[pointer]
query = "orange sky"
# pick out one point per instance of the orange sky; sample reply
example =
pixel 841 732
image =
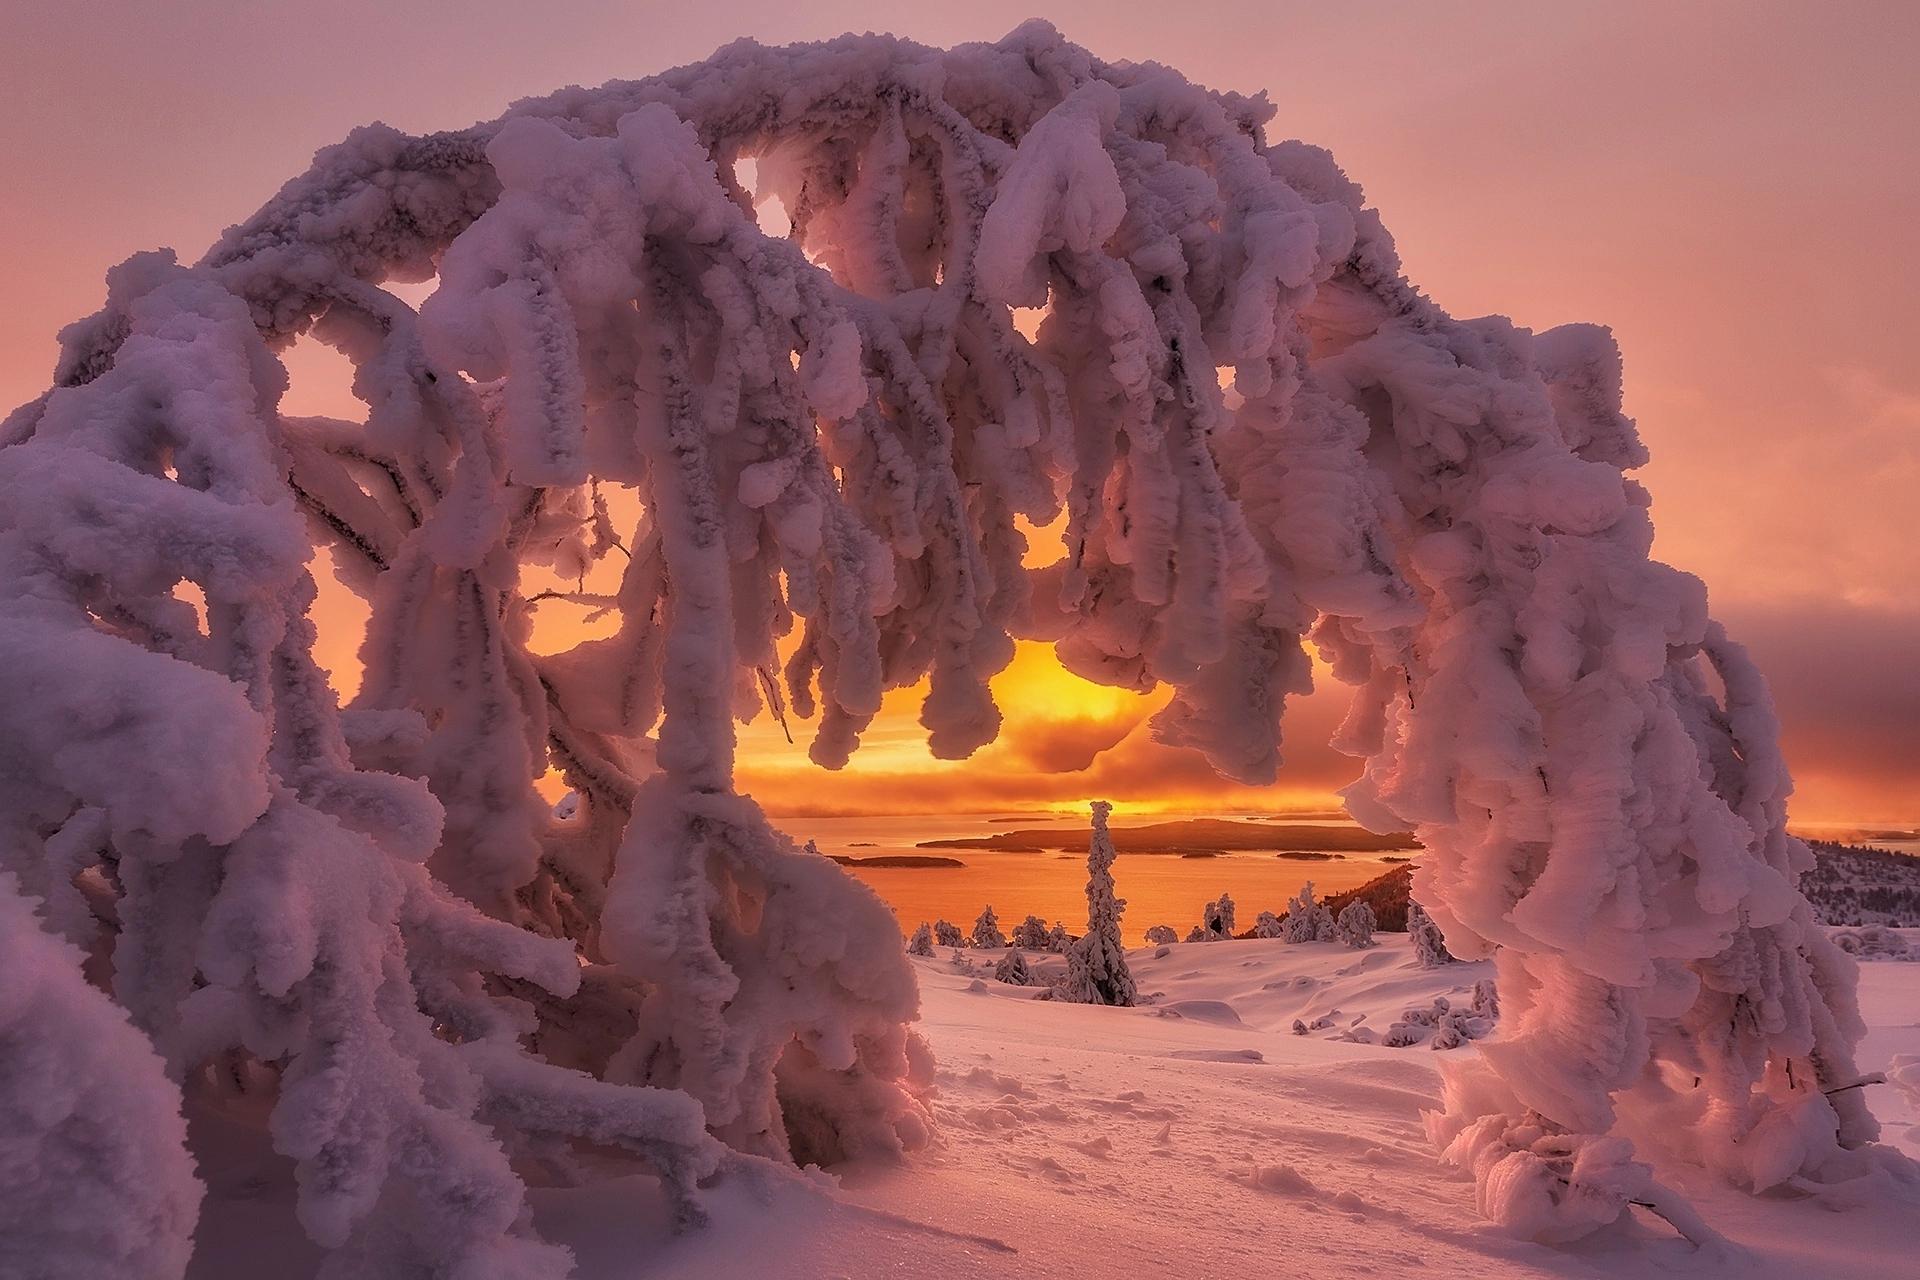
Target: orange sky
pixel 1733 188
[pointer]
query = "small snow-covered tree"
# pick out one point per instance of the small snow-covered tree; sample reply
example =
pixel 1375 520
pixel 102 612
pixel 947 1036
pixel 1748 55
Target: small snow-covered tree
pixel 1097 971
pixel 986 930
pixel 921 943
pixel 825 446
pixel 1013 969
pixel 1216 919
pixel 1268 925
pixel 948 934
pixel 1161 934
pixel 1031 933
pixel 1355 924
pixel 1307 919
pixel 1429 948
pixel 1057 939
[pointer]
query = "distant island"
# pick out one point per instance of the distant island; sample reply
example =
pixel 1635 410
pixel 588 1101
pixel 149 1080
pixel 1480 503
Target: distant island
pixel 1192 835
pixel 898 860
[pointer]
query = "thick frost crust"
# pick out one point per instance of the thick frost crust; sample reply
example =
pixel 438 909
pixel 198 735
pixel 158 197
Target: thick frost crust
pixel 831 437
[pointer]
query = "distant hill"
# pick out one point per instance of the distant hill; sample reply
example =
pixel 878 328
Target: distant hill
pixel 1386 894
pixel 1190 835
pixel 1849 885
pixel 1859 884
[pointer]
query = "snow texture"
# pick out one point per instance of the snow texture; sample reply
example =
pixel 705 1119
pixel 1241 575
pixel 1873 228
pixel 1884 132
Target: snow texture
pixel 95 1178
pixel 837 437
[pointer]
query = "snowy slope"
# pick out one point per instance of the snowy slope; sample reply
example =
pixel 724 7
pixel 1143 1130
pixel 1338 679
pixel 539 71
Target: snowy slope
pixel 1194 1136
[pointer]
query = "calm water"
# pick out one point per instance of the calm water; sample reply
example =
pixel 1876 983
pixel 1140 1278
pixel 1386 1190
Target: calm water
pixel 1159 888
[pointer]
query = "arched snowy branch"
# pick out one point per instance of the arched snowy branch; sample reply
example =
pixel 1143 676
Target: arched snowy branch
pixel 833 442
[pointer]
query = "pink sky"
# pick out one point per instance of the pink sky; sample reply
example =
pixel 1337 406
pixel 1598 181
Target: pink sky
pixel 1735 189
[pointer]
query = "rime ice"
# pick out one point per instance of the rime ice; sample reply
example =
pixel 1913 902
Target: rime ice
pixel 831 438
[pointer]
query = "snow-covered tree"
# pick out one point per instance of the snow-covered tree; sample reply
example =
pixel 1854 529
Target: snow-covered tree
pixel 1355 924
pixel 1307 918
pixel 948 934
pixel 1268 925
pixel 823 447
pixel 1013 969
pixel 986 930
pixel 1161 934
pixel 921 943
pixel 1216 920
pixel 1031 933
pixel 1429 948
pixel 1097 971
pixel 1057 938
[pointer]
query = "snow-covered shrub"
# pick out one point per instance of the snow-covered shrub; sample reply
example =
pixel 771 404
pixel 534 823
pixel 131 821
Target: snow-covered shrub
pixel 1013 969
pixel 921 943
pixel 1399 1035
pixel 1307 920
pixel 1268 925
pixel 1031 933
pixel 1197 934
pixel 841 433
pixel 1097 970
pixel 1873 942
pixel 986 930
pixel 1429 948
pixel 1355 924
pixel 1161 934
pixel 1057 939
pixel 947 934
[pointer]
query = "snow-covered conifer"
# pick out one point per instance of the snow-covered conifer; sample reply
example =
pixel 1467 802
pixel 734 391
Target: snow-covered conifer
pixel 1429 948
pixel 1013 969
pixel 986 930
pixel 1268 925
pixel 1097 970
pixel 1161 934
pixel 1031 933
pixel 1057 939
pixel 921 943
pixel 947 934
pixel 1307 919
pixel 1355 924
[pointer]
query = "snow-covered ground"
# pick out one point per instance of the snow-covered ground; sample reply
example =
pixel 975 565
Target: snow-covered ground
pixel 1194 1136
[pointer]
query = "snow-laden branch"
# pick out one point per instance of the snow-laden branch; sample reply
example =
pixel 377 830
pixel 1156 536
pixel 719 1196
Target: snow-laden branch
pixel 1016 282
